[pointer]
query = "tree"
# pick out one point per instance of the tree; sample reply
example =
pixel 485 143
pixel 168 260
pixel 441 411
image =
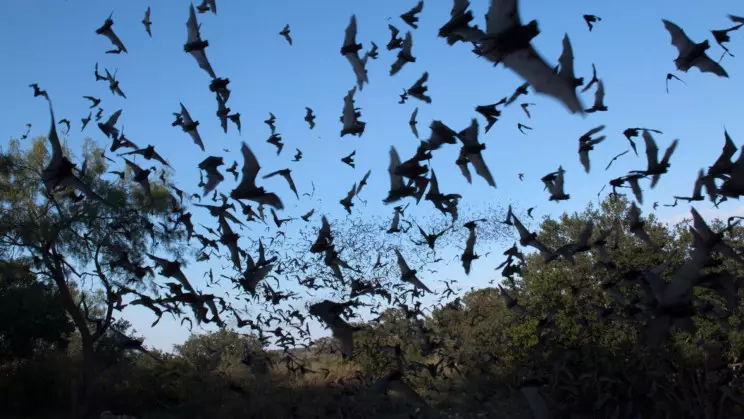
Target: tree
pixel 367 246
pixel 31 315
pixel 570 327
pixel 71 239
pixel 217 350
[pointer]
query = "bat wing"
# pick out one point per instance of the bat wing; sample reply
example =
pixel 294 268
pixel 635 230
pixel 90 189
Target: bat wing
pixel 594 130
pixel 402 265
pixel 420 82
pixel 114 118
pixel 192 27
pixel 119 92
pixel 197 138
pixel 637 191
pixel 584 158
pixel 558 184
pixel 433 184
pixel 405 50
pixel 669 151
pixel 481 169
pixel 412 122
pixel 111 35
pixel 535 71
pixel 201 59
pixel 501 15
pixel 359 69
pixel 418 8
pixel 418 284
pixel 393 31
pixel 397 65
pixel 270 199
pixel 465 171
pixel 470 244
pixel 652 151
pixel 272 174
pixel 396 181
pixel 599 94
pixel 729 149
pixel 679 38
pixel 57 153
pixel 351 32
pixel 292 186
pixel 459 7
pixel 523 233
pixel 75 183
pixel 250 166
pixel 353 191
pixel 349 115
pixel 213 179
pixel 186 116
pixel 708 65
pixel 566 61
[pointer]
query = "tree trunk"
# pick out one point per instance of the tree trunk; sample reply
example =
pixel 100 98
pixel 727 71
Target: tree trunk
pixel 90 370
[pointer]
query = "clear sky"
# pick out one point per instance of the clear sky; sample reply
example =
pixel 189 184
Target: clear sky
pixel 52 42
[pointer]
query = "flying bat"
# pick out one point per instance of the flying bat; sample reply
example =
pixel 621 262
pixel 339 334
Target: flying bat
pixel 195 45
pixel 107 30
pixel 692 54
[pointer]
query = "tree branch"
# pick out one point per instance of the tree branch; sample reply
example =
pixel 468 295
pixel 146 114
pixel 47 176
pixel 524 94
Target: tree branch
pixel 109 293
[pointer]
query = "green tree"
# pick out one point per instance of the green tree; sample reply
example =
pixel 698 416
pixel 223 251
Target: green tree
pixel 31 315
pixel 73 241
pixel 573 331
pixel 214 351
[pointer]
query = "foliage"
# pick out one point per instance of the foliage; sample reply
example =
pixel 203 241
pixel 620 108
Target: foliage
pixel 32 318
pixel 62 234
pixel 467 356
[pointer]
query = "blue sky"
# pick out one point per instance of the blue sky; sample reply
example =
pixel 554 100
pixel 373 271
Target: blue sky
pixel 53 43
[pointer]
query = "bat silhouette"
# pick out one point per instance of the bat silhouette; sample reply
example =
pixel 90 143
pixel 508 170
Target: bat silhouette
pixel 412 122
pixel 591 20
pixel 147 22
pixel 94 101
pixel 350 49
pixel 404 55
pixel 671 76
pixel 410 16
pixel 615 158
pixel 502 23
pixel 190 126
pixel 195 45
pixel 692 54
pixel 599 95
pixel 287 175
pixel 309 117
pixel 587 143
pixel 214 177
pixel 58 173
pixel 350 118
pixel 207 5
pixel 247 188
pixel 418 90
pixel 107 30
pixel 286 34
